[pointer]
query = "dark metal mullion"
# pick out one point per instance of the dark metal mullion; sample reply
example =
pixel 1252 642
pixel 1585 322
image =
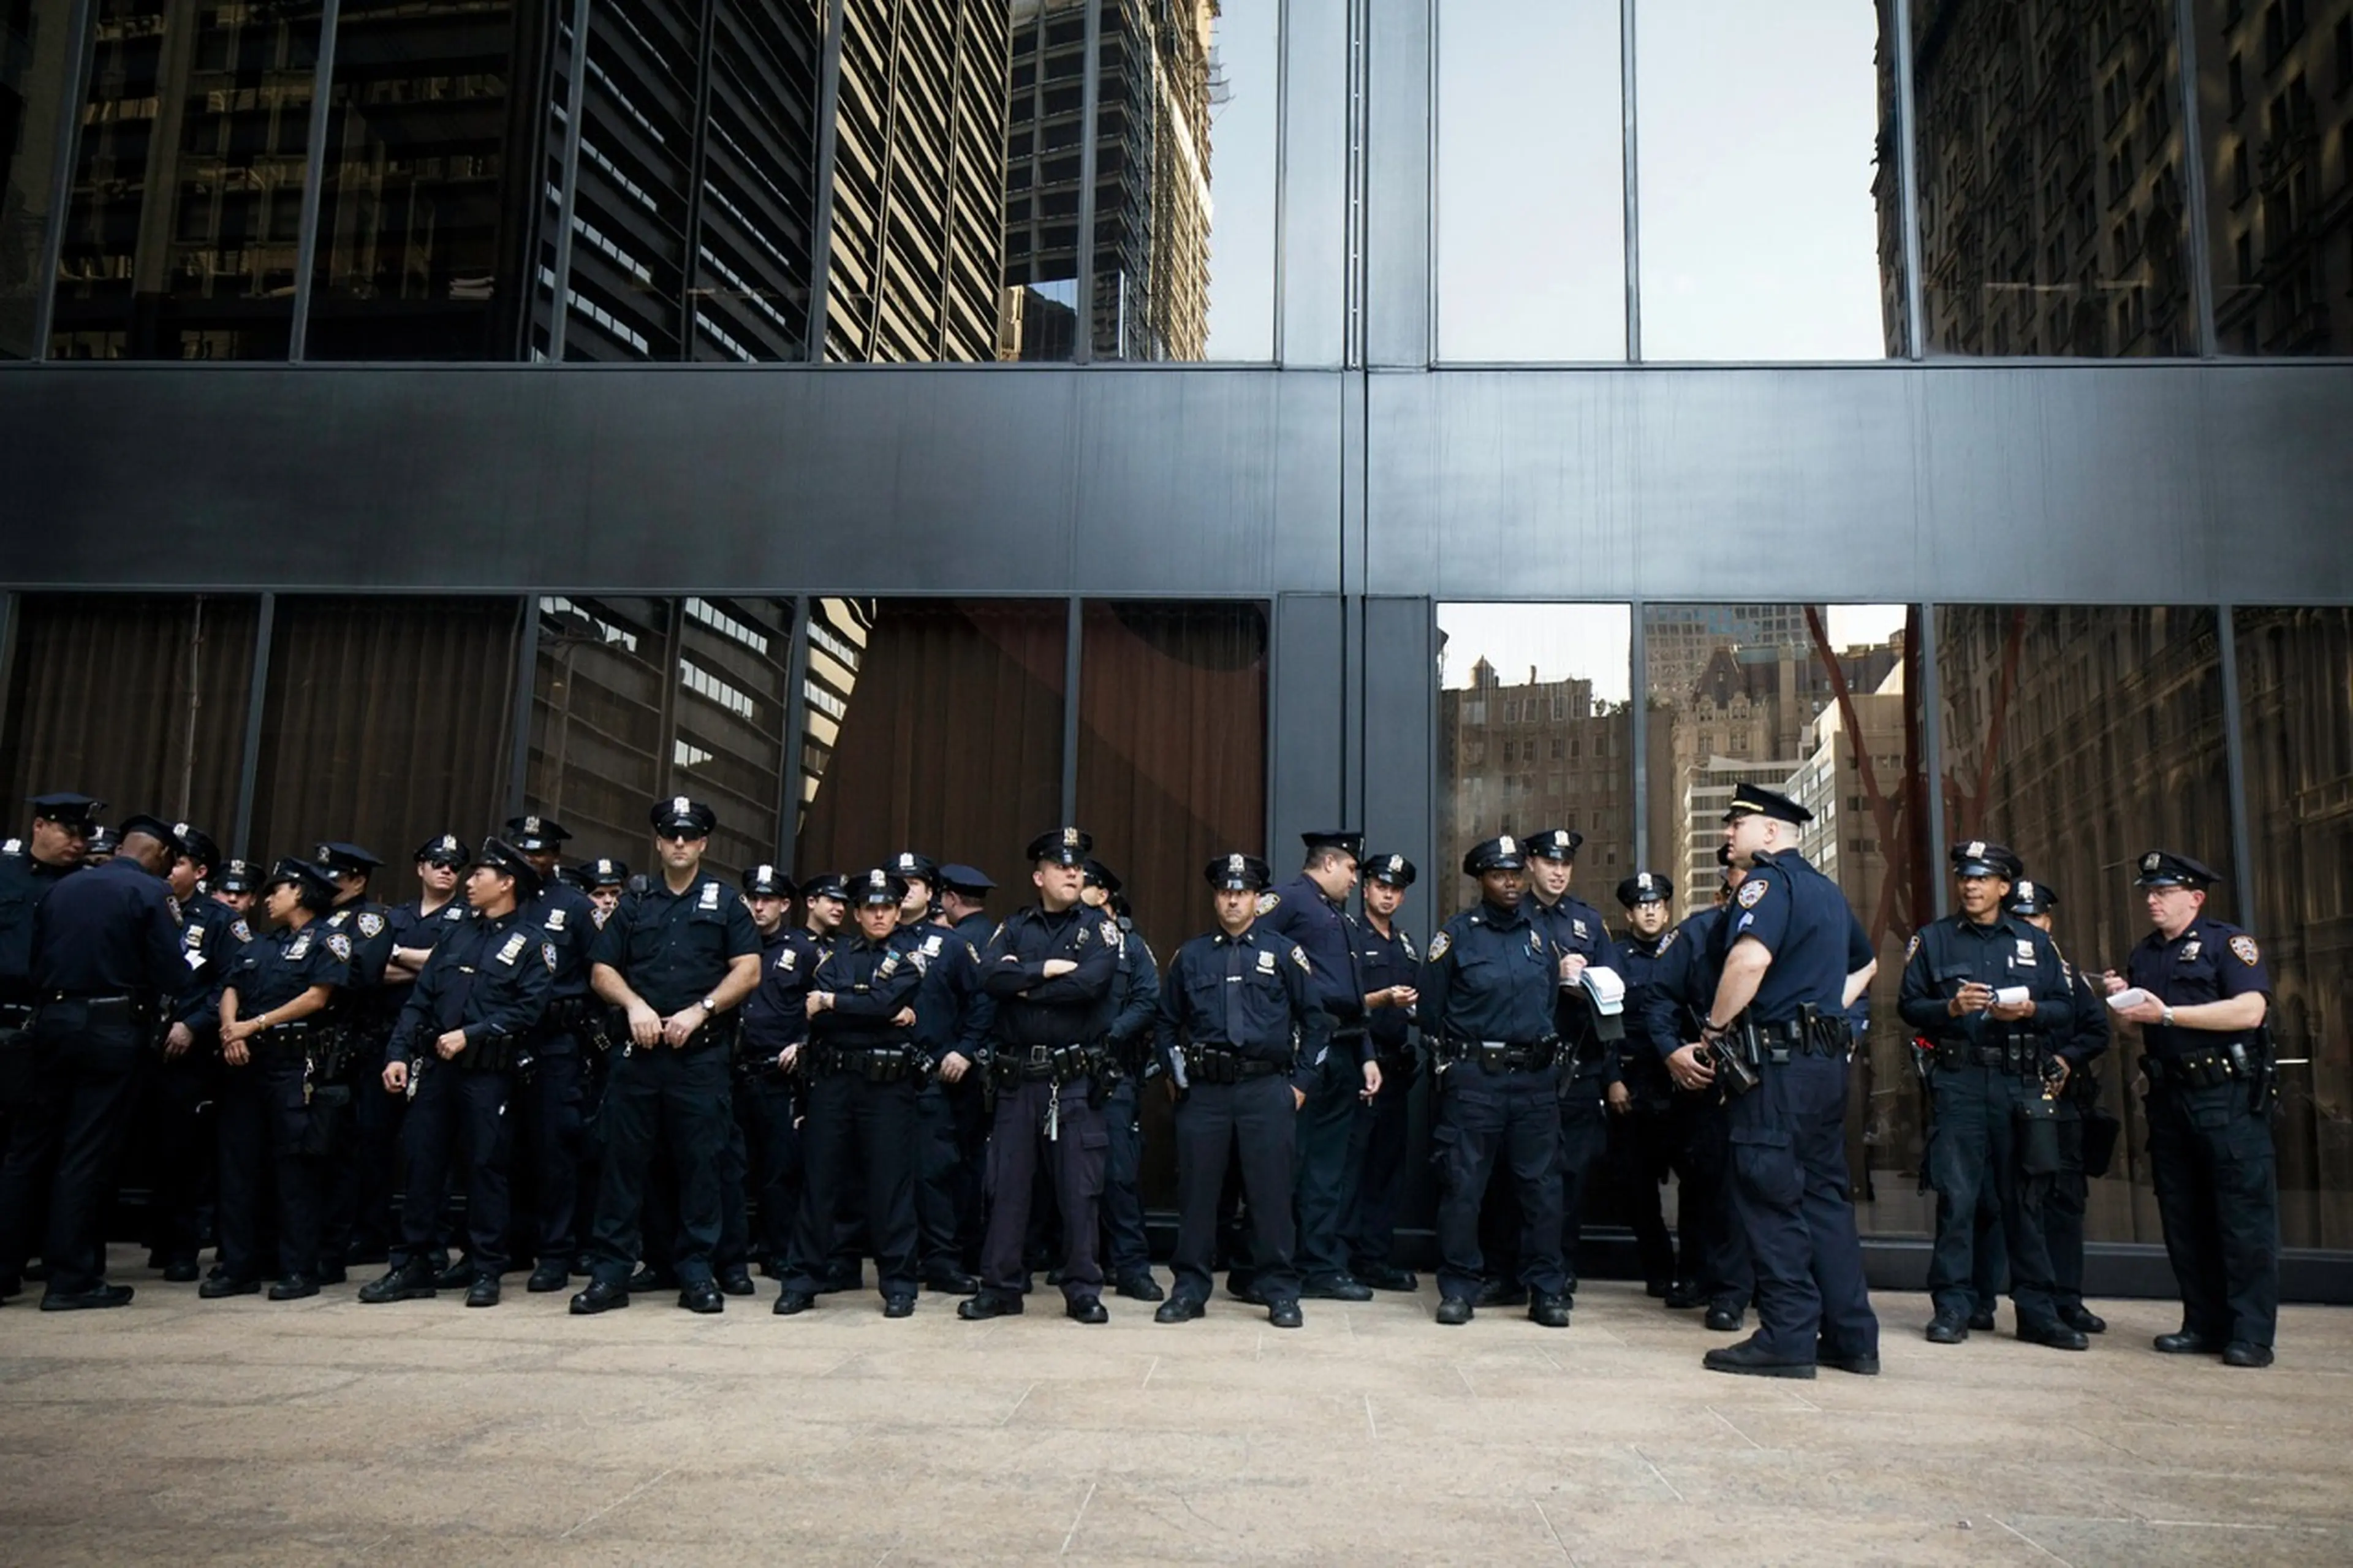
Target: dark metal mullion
pixel 1355 343
pixel 257 694
pixel 10 604
pixel 61 178
pixel 2242 854
pixel 1282 167
pixel 1907 156
pixel 1072 636
pixel 788 781
pixel 698 162
pixel 2198 240
pixel 828 140
pixel 574 113
pixel 1932 759
pixel 314 174
pixel 1630 146
pixel 1082 350
pixel 1638 736
pixel 526 685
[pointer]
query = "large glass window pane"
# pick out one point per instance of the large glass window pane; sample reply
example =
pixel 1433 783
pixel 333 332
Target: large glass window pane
pixel 756 221
pixel 428 178
pixel 385 722
pixel 2080 737
pixel 934 725
pixel 140 701
pixel 2052 205
pixel 2275 111
pixel 2295 686
pixel 183 236
pixel 1769 186
pixel 634 700
pixel 36 61
pixel 1531 244
pixel 1814 701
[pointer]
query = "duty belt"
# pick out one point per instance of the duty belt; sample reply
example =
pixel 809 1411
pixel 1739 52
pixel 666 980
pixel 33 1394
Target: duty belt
pixel 1214 1063
pixel 285 1040
pixel 2017 1054
pixel 102 1005
pixel 1036 1064
pixel 1823 1037
pixel 1504 1055
pixel 875 1064
pixel 566 1014
pixel 2198 1069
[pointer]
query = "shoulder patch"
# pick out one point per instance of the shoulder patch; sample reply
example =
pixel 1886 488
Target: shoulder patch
pixel 371 924
pixel 1752 892
pixel 599 916
pixel 1298 957
pixel 1269 902
pixel 547 955
pixel 1114 938
pixel 1438 945
pixel 339 945
pixel 1668 940
pixel 2243 949
pixel 1911 947
pixel 1405 941
pixel 240 930
pixel 973 951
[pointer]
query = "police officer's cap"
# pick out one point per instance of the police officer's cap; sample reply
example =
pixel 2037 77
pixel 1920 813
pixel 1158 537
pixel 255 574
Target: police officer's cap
pixel 67 808
pixel 826 885
pixel 603 871
pixel 195 844
pixel 970 880
pixel 306 876
pixel 880 886
pixel 1101 876
pixel 573 877
pixel 687 818
pixel 448 849
pixel 237 877
pixel 155 828
pixel 1394 870
pixel 345 859
pixel 103 840
pixel 1755 800
pixel 1347 840
pixel 1646 887
pixel 1239 873
pixel 535 833
pixel 766 881
pixel 509 861
pixel 1978 859
pixel 1063 846
pixel 1501 854
pixel 2162 869
pixel 916 868
pixel 1556 844
pixel 2030 899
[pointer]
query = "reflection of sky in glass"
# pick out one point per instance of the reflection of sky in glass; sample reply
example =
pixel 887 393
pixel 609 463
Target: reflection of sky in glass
pixel 1241 180
pixel 1593 641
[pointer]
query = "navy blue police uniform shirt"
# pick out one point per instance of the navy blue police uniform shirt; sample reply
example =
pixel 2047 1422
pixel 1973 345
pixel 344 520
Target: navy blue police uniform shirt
pixel 2209 961
pixel 210 934
pixel 1489 974
pixel 674 949
pixel 109 932
pixel 1255 993
pixel 489 977
pixel 1948 953
pixel 1575 927
pixel 1070 1009
pixel 278 966
pixel 24 882
pixel 775 1015
pixel 1383 962
pixel 569 920
pixel 411 928
pixel 936 1012
pixel 368 925
pixel 2086 1036
pixel 1682 983
pixel 1299 911
pixel 1803 920
pixel 870 982
pixel 1640 960
pixel 975 1008
pixel 1135 994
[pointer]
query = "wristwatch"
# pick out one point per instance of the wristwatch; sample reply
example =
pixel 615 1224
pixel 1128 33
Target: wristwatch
pixel 709 1004
pixel 2166 1018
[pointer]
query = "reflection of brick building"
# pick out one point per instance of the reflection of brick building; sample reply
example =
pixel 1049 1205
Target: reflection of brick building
pixel 2275 107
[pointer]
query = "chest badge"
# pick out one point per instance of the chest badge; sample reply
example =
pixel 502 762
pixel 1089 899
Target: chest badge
pixel 2191 949
pixel 1266 963
pixel 555 920
pixel 300 947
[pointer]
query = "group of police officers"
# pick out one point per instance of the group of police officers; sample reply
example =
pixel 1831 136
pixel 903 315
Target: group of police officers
pixel 661 1081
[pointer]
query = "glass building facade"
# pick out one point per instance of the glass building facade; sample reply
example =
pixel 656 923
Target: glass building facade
pixel 1452 416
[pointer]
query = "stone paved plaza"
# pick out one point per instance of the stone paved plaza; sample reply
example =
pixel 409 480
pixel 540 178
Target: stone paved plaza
pixel 326 1431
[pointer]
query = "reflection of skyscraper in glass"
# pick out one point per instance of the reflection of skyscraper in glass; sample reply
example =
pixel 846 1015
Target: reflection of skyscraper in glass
pixel 1681 638
pixel 1151 206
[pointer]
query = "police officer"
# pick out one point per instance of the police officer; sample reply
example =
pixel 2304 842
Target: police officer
pixel 100 848
pixel 924 931
pixel 1988 990
pixel 676 957
pixel 1682 989
pixel 237 886
pixel 1390 967
pixel 277 989
pixel 412 929
pixel 1135 1010
pixel 356 1225
pixel 1577 930
pixel 554 1095
pixel 772 1022
pixel 602 879
pixel 185 1084
pixel 1487 1005
pixel 106 964
pixel 1640 1095
pixel 455 1051
pixel 62 823
pixel 2204 995
pixel 1050 968
pixel 963 899
pixel 1780 1001
pixel 2077 1097
pixel 1238 1024
pixel 863 1064
pixel 1312 911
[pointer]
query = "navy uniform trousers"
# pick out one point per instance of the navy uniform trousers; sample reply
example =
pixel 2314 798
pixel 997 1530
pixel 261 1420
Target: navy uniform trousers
pixel 1973 1146
pixel 62 1153
pixel 1488 1123
pixel 1075 1161
pixel 264 1140
pixel 1790 1184
pixel 457 1109
pixel 1377 1156
pixel 1252 1120
pixel 2211 1159
pixel 662 1102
